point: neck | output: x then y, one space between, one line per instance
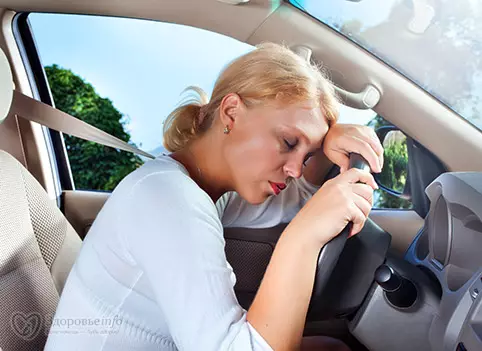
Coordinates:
205 166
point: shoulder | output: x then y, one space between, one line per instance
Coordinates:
161 206
162 190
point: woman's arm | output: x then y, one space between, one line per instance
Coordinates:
339 142
279 309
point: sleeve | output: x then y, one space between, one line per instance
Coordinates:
177 240
236 212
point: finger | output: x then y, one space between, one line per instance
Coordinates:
341 160
366 149
377 146
362 147
363 190
355 175
375 141
358 221
370 136
363 204
361 212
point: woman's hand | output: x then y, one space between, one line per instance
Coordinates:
342 139
341 200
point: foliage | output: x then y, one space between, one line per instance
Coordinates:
394 174
94 166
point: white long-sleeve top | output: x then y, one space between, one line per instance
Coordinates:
152 272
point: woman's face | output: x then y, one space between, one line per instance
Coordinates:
268 145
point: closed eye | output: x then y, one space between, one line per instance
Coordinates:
289 145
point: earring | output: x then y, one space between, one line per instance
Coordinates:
226 130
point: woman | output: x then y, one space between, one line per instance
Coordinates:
152 273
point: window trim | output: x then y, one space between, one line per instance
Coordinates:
38 82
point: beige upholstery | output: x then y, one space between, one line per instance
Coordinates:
37 250
37 247
6 87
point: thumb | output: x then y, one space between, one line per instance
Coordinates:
341 160
355 175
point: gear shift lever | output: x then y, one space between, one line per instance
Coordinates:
400 292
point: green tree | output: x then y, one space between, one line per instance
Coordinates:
94 166
394 174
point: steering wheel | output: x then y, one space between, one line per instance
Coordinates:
331 251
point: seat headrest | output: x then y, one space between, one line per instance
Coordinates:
6 86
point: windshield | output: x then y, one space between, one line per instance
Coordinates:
435 43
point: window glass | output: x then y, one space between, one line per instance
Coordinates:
125 76
435 43
355 116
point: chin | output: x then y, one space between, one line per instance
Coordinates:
254 197
259 200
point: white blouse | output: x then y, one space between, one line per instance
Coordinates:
152 272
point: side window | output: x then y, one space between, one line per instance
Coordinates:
123 76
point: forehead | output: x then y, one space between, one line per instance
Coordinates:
302 119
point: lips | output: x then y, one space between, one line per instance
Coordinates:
277 187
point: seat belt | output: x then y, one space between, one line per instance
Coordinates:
36 111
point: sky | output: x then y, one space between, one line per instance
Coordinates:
141 66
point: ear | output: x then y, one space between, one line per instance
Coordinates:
231 108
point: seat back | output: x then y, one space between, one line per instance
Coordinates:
37 249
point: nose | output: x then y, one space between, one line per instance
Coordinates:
293 167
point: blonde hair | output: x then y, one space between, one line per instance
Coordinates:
269 73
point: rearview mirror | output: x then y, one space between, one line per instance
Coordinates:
394 177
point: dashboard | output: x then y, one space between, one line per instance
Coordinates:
449 250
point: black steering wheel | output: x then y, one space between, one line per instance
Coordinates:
331 251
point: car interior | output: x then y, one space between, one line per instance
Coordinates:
409 281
